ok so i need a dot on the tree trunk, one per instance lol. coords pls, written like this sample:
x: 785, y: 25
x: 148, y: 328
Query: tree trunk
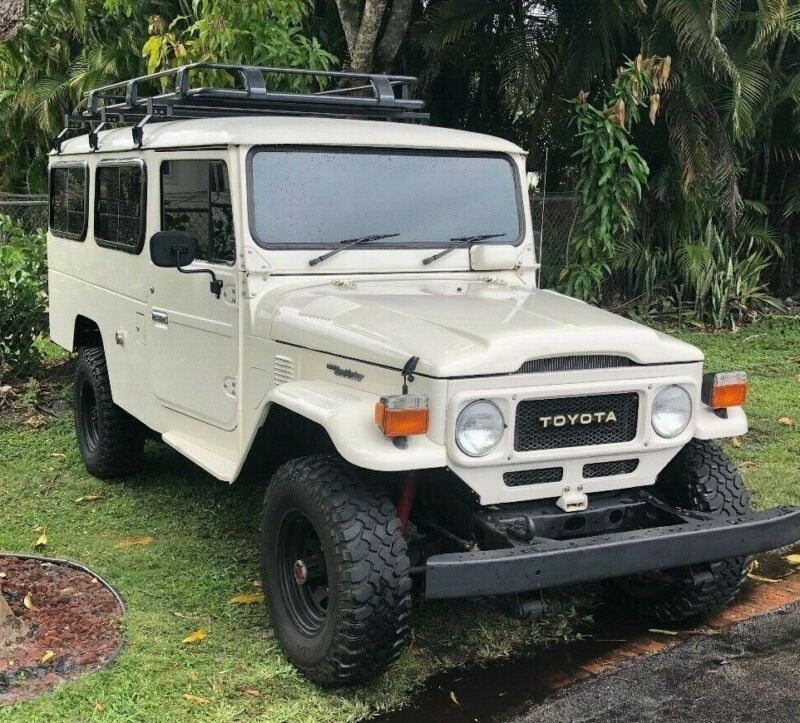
x: 363, y: 53
x: 362, y: 20
x: 12, y: 629
x: 394, y: 34
x: 10, y: 17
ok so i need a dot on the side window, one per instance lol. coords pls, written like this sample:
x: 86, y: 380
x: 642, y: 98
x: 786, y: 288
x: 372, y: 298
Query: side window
x: 196, y: 198
x: 68, y: 201
x: 119, y: 206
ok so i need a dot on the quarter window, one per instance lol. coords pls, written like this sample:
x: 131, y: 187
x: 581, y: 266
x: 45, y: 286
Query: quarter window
x: 196, y: 198
x: 119, y: 206
x: 68, y: 201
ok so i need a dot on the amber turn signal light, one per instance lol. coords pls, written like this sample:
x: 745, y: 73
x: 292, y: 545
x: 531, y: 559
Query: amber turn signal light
x: 403, y: 415
x: 723, y: 390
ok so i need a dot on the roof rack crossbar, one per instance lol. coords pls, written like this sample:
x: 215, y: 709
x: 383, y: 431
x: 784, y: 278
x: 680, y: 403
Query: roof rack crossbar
x: 169, y: 94
x: 176, y: 84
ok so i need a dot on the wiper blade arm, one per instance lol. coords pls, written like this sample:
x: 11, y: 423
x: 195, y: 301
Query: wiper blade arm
x: 458, y: 242
x: 348, y: 243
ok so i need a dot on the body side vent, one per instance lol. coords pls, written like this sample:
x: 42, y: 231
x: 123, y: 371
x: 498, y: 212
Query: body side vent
x: 283, y: 370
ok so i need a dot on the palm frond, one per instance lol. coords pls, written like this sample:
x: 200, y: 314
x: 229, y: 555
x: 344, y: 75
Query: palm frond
x: 449, y: 20
x: 772, y: 20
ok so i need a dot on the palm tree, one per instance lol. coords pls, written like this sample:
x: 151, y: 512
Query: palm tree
x: 60, y: 50
x: 507, y: 67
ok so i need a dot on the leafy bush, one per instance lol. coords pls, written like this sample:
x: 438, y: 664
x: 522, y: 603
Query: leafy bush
x: 718, y: 279
x: 23, y: 297
x: 612, y: 171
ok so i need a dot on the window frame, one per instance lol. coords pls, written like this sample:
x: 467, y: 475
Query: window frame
x: 224, y: 162
x: 65, y: 234
x: 105, y: 243
x: 375, y: 150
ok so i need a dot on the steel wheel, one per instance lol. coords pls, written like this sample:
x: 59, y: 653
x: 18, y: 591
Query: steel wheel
x: 334, y: 566
x: 89, y: 416
x: 303, y: 573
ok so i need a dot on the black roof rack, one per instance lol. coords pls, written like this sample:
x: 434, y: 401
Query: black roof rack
x: 170, y: 95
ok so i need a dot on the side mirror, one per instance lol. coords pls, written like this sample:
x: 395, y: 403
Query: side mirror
x: 176, y: 249
x: 171, y: 249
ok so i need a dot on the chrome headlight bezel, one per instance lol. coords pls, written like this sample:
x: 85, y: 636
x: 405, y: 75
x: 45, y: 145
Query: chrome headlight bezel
x: 495, y: 428
x: 672, y: 401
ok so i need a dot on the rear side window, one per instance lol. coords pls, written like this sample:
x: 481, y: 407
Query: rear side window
x: 119, y: 206
x: 68, y: 201
x: 196, y: 198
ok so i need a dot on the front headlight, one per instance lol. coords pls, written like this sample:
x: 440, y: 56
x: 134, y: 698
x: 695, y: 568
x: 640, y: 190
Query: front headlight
x: 479, y: 428
x: 672, y: 411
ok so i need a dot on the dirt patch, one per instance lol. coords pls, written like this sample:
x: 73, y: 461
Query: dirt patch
x: 34, y: 401
x: 74, y: 626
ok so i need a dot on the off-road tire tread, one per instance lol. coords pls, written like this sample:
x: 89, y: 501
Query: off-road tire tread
x: 373, y: 569
x: 120, y: 449
x: 701, y: 478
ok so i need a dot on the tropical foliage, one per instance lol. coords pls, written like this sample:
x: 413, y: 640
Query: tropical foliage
x: 23, y: 300
x: 64, y: 47
x: 611, y: 170
x: 721, y: 159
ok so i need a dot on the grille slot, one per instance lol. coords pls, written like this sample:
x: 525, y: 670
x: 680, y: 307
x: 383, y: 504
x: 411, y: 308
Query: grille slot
x: 546, y: 423
x: 610, y: 469
x: 533, y: 476
x: 284, y: 369
x: 575, y: 363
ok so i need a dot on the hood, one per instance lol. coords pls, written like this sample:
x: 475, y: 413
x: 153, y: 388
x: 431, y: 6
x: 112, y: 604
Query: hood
x: 461, y: 328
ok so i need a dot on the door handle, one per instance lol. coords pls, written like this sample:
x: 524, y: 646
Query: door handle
x: 160, y: 317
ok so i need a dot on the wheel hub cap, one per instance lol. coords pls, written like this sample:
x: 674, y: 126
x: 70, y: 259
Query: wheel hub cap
x: 300, y: 572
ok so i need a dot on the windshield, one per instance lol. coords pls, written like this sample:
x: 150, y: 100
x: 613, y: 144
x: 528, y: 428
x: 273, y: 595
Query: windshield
x: 317, y: 197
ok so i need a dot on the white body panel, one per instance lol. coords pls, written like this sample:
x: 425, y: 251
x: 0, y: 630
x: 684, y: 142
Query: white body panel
x: 205, y: 372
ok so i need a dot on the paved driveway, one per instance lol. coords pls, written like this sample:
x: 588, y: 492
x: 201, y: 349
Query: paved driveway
x: 749, y: 672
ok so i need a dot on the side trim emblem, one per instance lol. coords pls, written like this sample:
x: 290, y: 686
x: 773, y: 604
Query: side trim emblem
x: 346, y: 373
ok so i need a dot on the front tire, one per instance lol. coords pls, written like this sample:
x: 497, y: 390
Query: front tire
x: 335, y: 571
x: 702, y: 478
x: 111, y: 442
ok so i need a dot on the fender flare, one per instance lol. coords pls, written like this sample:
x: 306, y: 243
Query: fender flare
x: 347, y: 415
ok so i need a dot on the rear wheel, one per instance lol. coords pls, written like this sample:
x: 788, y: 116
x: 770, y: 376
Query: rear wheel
x: 335, y: 571
x: 111, y: 442
x: 702, y: 478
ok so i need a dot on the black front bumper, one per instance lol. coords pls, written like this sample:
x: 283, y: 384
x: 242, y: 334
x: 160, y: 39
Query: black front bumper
x: 545, y: 562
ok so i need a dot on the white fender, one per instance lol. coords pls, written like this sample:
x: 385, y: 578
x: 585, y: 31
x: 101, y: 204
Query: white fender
x: 712, y: 426
x: 348, y: 417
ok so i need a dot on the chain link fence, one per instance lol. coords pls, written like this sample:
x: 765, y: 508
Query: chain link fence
x: 27, y: 212
x: 553, y: 216
x: 23, y: 272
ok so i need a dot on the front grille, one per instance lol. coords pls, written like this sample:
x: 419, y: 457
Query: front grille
x: 610, y: 469
x: 575, y: 363
x: 576, y: 421
x: 533, y: 476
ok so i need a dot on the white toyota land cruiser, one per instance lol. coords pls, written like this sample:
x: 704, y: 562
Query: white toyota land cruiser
x: 326, y: 282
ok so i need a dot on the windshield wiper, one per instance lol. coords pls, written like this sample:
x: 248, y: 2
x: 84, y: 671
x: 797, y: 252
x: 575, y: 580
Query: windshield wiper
x: 460, y: 241
x: 348, y: 242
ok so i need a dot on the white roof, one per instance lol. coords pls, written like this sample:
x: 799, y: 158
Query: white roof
x: 287, y: 130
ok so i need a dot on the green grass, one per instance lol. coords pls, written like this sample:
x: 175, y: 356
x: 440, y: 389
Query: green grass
x: 769, y: 456
x: 205, y: 552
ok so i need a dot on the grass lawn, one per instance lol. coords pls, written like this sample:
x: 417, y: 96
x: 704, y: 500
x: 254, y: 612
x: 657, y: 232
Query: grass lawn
x: 204, y: 552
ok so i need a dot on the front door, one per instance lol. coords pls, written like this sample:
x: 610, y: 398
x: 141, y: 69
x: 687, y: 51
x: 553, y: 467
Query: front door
x: 193, y: 335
